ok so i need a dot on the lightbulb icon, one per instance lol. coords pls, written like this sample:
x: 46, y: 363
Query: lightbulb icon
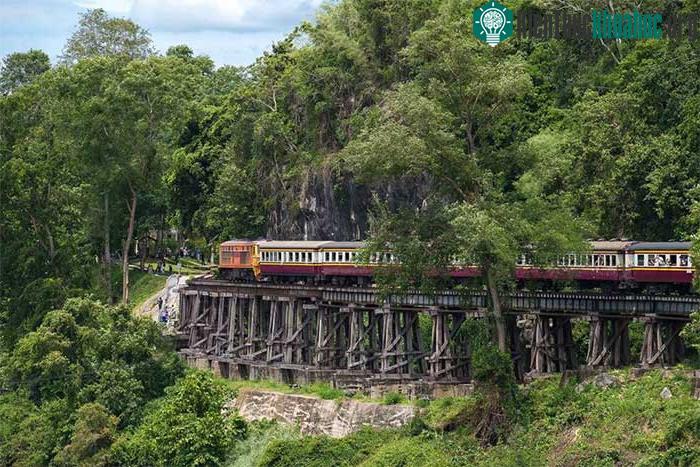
x: 493, y: 20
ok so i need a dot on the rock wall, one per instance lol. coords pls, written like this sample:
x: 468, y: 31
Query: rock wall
x: 320, y: 205
x: 316, y: 416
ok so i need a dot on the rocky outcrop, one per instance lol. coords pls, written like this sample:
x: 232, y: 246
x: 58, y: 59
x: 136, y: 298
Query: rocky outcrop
x: 321, y: 205
x: 316, y: 416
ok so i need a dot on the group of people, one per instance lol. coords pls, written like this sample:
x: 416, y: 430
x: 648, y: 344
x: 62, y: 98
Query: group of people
x: 163, y: 311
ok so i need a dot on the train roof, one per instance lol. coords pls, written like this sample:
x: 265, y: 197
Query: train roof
x: 293, y: 244
x: 611, y: 245
x: 661, y: 246
x: 237, y: 242
x: 344, y: 245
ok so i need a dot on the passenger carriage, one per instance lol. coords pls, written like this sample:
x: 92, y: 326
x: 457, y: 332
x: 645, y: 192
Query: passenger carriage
x: 608, y: 264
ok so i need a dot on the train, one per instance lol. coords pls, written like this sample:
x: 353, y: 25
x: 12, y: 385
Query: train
x: 609, y: 265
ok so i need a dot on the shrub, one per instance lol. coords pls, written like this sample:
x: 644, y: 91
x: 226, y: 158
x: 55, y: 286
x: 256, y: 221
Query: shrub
x: 188, y: 427
x: 393, y: 398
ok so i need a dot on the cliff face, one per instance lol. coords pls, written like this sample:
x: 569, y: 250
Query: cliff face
x: 316, y: 416
x: 326, y: 206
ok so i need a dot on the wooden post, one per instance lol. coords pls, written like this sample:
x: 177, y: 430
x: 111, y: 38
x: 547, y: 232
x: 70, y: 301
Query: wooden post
x: 331, y: 337
x: 449, y: 358
x: 400, y: 349
x: 552, y: 347
x: 660, y: 343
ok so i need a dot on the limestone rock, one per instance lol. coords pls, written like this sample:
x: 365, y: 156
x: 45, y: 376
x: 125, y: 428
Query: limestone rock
x: 666, y: 394
x: 605, y: 380
x: 316, y: 416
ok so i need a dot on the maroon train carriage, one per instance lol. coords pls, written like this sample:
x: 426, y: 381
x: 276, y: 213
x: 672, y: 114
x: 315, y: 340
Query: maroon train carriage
x: 609, y: 264
x: 659, y: 262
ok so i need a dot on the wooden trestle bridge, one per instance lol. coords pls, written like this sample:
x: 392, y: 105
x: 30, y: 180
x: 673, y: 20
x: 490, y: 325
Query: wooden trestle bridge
x: 305, y: 333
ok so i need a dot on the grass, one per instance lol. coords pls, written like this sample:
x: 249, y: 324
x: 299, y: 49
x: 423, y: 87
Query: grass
x: 143, y: 286
x: 322, y: 390
x: 188, y: 265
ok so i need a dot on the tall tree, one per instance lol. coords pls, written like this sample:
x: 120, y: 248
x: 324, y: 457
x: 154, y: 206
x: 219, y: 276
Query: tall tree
x: 22, y: 68
x: 98, y: 34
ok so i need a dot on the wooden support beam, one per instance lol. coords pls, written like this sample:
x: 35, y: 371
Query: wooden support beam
x: 552, y: 349
x: 660, y: 344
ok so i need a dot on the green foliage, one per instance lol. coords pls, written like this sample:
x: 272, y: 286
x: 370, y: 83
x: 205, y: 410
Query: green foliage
x: 323, y: 451
x: 94, y: 432
x: 188, y: 428
x: 393, y: 398
x: 99, y: 34
x: 691, y: 332
x: 559, y: 424
x: 84, y: 373
x: 22, y: 68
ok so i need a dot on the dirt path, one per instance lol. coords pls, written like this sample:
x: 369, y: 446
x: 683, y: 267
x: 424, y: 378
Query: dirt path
x: 170, y: 296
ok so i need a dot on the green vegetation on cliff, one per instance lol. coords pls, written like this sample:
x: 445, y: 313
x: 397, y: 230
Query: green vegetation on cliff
x: 628, y: 423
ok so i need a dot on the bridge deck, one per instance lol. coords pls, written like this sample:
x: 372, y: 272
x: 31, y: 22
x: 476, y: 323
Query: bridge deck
x: 575, y: 304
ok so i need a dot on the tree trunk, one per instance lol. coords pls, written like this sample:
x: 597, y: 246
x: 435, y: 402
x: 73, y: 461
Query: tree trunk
x: 497, y: 312
x: 143, y: 252
x: 107, y: 260
x: 127, y: 247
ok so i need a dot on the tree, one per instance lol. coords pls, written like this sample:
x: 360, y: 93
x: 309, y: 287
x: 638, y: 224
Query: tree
x: 22, y: 68
x: 494, y: 233
x: 188, y: 429
x: 148, y: 103
x: 182, y: 50
x: 95, y: 430
x: 98, y: 34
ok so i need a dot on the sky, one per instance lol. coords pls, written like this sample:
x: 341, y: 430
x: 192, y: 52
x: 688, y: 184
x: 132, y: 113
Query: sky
x: 231, y: 32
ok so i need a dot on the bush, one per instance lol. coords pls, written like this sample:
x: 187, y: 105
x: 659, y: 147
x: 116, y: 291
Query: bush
x: 187, y: 428
x: 322, y: 451
x: 393, y: 398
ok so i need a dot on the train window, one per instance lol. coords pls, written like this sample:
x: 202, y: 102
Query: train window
x: 608, y: 261
x: 684, y: 261
x: 640, y: 260
x: 613, y: 260
x: 328, y: 257
x: 673, y: 260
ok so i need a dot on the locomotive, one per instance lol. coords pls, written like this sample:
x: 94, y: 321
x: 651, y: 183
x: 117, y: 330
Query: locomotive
x: 610, y: 265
